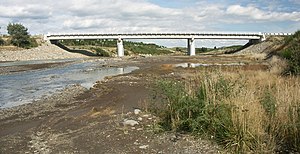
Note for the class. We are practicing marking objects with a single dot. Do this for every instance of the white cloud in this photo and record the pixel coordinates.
(134, 16)
(29, 11)
(254, 13)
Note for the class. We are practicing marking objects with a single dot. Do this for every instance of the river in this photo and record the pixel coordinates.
(25, 87)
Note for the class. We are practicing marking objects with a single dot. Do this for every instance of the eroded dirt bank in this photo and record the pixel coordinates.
(79, 120)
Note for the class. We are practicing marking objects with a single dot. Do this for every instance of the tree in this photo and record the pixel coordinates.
(19, 35)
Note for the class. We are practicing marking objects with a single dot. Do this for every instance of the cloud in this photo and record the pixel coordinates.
(254, 13)
(141, 15)
(126, 15)
(28, 11)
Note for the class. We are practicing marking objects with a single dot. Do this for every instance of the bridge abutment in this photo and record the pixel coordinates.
(254, 41)
(120, 47)
(191, 47)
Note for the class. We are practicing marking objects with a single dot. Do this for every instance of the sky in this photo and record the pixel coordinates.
(134, 16)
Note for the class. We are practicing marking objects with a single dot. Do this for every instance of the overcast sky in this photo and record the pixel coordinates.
(113, 16)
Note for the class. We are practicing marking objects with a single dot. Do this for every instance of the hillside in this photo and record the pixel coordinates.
(267, 47)
(107, 48)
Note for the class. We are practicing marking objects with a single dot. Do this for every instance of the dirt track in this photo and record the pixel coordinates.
(78, 120)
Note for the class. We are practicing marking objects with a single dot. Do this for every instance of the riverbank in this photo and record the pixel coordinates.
(43, 52)
(96, 120)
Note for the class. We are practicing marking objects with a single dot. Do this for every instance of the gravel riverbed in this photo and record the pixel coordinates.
(43, 52)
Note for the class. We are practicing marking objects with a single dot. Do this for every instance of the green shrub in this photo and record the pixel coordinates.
(142, 48)
(101, 52)
(291, 53)
(20, 36)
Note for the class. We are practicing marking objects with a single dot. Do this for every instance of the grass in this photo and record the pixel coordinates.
(246, 112)
(291, 52)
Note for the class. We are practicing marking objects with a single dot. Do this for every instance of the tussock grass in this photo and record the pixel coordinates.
(250, 111)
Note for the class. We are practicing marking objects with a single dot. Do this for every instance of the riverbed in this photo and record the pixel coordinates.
(28, 86)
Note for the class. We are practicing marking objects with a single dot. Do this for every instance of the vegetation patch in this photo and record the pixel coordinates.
(20, 36)
(291, 53)
(101, 52)
(241, 112)
(130, 47)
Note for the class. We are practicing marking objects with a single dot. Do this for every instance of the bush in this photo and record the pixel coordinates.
(2, 42)
(101, 52)
(19, 36)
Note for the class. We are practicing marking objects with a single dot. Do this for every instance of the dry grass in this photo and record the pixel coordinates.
(263, 115)
(267, 107)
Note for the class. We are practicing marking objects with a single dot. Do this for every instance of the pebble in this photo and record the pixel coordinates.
(144, 146)
(130, 122)
(146, 115)
(45, 51)
(137, 111)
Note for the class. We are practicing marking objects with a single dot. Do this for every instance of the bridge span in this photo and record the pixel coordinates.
(190, 37)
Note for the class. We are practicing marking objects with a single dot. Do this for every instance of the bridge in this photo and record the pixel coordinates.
(190, 37)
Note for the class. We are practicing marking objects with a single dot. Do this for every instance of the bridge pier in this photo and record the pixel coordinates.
(120, 47)
(191, 47)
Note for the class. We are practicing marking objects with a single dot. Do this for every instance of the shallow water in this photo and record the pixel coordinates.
(25, 87)
(17, 63)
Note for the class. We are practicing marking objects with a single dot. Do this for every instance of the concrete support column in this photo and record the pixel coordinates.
(191, 47)
(120, 47)
(188, 47)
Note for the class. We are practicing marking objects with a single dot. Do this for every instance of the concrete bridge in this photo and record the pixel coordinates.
(190, 37)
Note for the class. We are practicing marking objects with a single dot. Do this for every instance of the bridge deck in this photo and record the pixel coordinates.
(246, 36)
(207, 35)
(189, 36)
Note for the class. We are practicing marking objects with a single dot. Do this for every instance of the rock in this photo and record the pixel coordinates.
(174, 138)
(144, 146)
(146, 115)
(130, 122)
(140, 119)
(137, 111)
